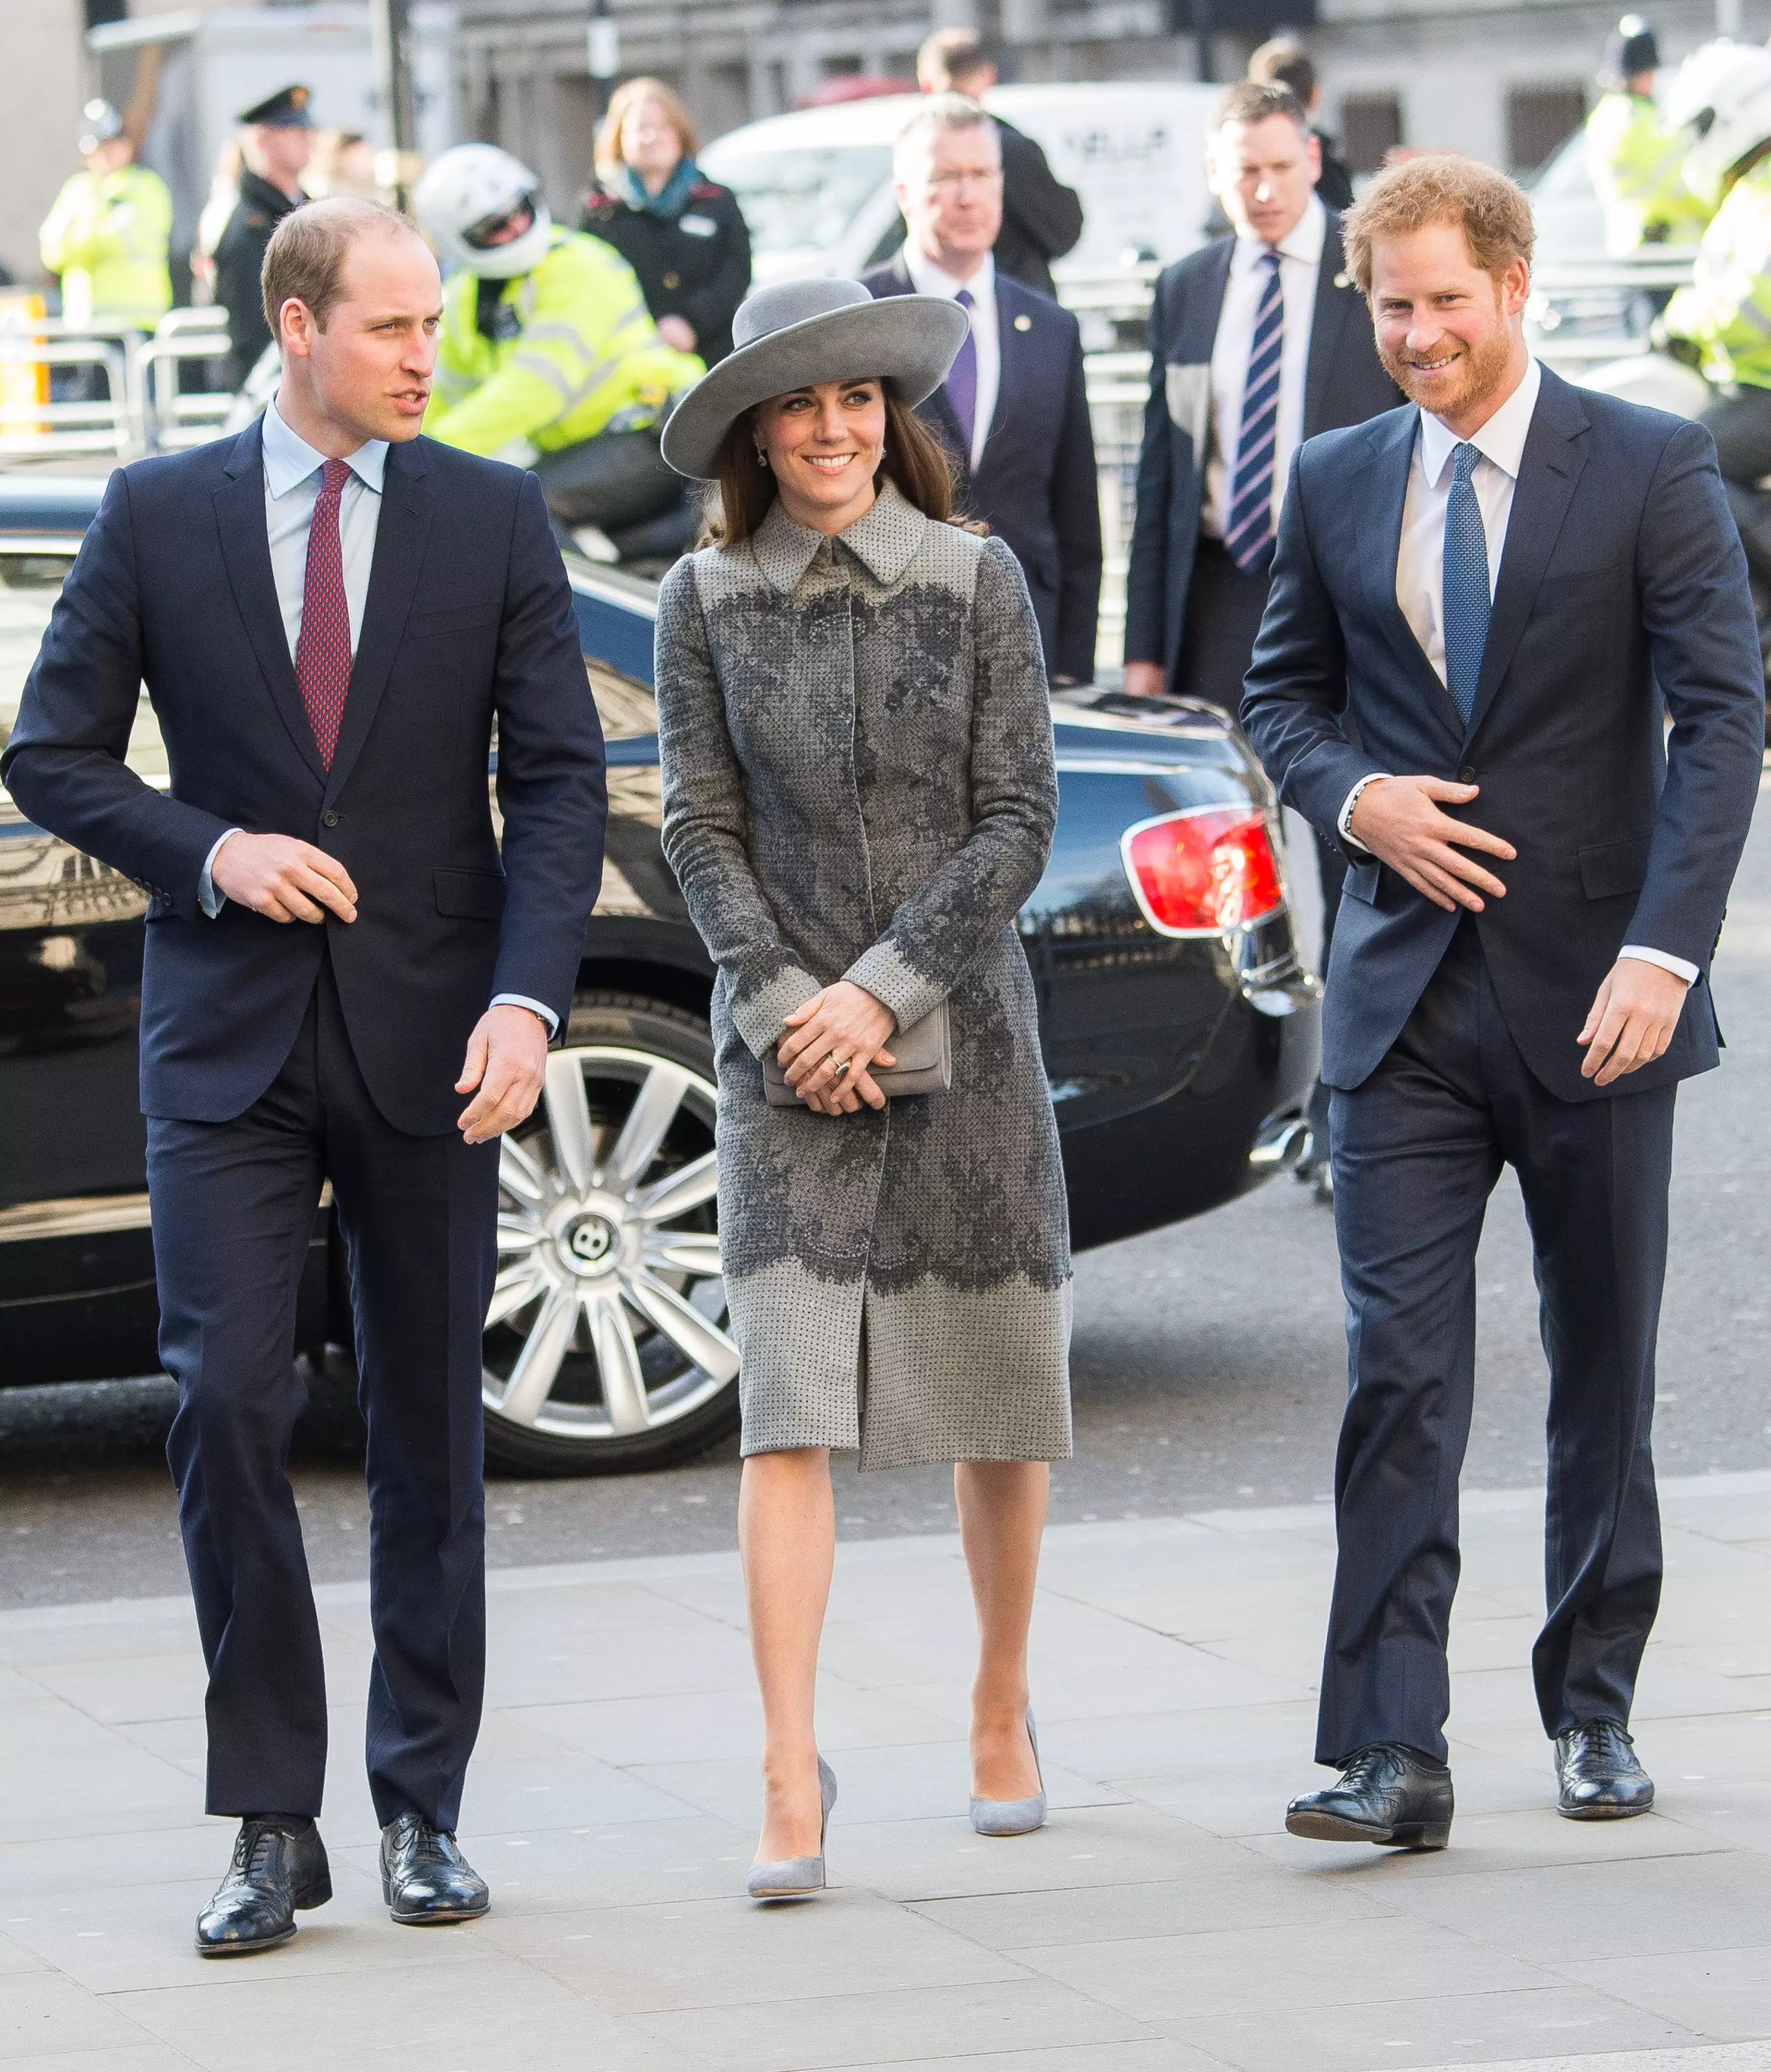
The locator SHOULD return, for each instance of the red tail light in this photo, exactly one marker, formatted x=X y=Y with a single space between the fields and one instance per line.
x=1200 y=872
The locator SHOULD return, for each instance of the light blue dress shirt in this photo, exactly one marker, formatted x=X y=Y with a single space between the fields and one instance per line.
x=293 y=471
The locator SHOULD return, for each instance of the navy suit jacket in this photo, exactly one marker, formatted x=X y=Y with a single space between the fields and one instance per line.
x=1344 y=383
x=1622 y=571
x=1036 y=486
x=469 y=619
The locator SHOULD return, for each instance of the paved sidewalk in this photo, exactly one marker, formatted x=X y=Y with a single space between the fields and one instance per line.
x=1162 y=1922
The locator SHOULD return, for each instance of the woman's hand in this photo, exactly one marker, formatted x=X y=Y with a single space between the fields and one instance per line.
x=830 y=1044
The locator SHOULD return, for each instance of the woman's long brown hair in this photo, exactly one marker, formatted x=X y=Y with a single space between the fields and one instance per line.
x=914 y=460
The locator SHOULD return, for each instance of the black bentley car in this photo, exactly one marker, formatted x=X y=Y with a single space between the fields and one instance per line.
x=1179 y=1026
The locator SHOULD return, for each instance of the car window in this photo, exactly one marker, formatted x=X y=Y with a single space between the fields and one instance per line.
x=1564 y=176
x=29 y=586
x=792 y=199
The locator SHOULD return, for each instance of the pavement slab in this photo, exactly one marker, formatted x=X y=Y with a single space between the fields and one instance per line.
x=1162 y=1921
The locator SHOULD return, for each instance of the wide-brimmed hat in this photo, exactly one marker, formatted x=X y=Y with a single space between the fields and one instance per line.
x=800 y=332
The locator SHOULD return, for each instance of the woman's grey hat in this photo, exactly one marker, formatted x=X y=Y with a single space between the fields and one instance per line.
x=800 y=332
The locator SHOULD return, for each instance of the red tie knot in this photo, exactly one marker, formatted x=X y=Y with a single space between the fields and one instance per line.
x=334 y=474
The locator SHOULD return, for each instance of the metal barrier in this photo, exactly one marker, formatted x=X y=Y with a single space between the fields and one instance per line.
x=141 y=410
x=176 y=420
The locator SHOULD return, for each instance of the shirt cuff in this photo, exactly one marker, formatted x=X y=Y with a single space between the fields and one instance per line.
x=1676 y=965
x=523 y=1000
x=211 y=901
x=1343 y=825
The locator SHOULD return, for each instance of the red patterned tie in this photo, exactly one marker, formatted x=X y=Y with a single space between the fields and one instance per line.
x=323 y=652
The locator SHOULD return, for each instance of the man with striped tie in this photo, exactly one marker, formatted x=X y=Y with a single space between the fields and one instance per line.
x=343 y=981
x=1483 y=609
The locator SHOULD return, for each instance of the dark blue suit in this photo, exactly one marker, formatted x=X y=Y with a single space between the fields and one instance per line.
x=1450 y=1040
x=1035 y=487
x=275 y=1056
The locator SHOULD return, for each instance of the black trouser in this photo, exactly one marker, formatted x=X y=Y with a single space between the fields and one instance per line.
x=619 y=482
x=233 y=1205
x=1224 y=608
x=1418 y=1149
x=1740 y=425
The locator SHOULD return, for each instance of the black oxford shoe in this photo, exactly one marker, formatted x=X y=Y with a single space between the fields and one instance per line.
x=273 y=1875
x=1386 y=1795
x=425 y=1880
x=1598 y=1775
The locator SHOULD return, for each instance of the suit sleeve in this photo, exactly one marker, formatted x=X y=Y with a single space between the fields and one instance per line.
x=707 y=825
x=1076 y=520
x=1035 y=200
x=1146 y=574
x=1294 y=696
x=551 y=787
x=65 y=763
x=938 y=931
x=1697 y=611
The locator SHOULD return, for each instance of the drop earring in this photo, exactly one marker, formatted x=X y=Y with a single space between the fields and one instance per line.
x=762 y=458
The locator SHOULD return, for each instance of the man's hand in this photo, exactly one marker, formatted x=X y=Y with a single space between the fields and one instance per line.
x=1145 y=680
x=1631 y=1019
x=283 y=879
x=506 y=1060
x=1398 y=819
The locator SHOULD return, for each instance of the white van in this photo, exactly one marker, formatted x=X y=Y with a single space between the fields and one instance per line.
x=815 y=185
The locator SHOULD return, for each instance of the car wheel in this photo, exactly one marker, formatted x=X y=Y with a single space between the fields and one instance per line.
x=605 y=1347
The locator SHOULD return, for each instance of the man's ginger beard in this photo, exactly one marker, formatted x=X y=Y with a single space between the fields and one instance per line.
x=1484 y=369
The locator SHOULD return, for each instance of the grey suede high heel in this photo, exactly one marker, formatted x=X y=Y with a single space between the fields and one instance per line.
x=1013 y=1816
x=798 y=1877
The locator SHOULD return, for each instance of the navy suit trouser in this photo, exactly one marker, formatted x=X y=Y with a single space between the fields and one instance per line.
x=233 y=1205
x=1417 y=1149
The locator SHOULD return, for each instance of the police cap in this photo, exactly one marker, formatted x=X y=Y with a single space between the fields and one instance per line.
x=286 y=110
x=1631 y=48
x=99 y=123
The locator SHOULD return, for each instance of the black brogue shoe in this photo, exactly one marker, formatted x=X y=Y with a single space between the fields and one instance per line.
x=1597 y=1775
x=425 y=1880
x=1387 y=1794
x=273 y=1875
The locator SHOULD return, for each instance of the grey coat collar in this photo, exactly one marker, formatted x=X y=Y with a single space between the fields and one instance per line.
x=884 y=540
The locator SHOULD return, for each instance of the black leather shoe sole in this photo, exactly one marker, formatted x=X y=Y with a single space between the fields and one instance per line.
x=309 y=1897
x=1607 y=1812
x=1315 y=1827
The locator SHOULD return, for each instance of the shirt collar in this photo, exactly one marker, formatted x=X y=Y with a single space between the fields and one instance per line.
x=884 y=538
x=929 y=279
x=1303 y=240
x=1501 y=440
x=288 y=459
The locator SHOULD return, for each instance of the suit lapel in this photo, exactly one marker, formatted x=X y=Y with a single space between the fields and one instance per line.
x=245 y=550
x=401 y=533
x=1328 y=319
x=1198 y=331
x=1549 y=470
x=1378 y=494
x=1014 y=348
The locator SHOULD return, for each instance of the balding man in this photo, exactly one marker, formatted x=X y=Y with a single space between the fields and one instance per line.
x=343 y=982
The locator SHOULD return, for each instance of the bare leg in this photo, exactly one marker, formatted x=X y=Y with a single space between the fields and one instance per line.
x=787 y=1536
x=1002 y=1514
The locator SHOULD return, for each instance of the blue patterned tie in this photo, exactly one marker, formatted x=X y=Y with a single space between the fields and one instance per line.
x=1468 y=601
x=1249 y=535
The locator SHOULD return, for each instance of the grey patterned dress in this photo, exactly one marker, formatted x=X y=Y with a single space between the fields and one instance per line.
x=859 y=783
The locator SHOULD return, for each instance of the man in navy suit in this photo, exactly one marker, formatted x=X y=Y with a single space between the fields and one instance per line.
x=1012 y=413
x=1482 y=608
x=345 y=981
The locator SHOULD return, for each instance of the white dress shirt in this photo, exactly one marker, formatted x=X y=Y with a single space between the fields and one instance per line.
x=1420 y=552
x=1300 y=262
x=293 y=471
x=929 y=279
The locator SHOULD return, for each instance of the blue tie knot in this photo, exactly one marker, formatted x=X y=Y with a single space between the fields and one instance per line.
x=1464 y=458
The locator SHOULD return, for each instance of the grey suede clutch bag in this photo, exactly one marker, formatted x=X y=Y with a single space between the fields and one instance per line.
x=924 y=1052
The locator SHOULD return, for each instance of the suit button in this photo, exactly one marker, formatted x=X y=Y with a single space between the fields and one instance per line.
x=1466 y=775
x=329 y=819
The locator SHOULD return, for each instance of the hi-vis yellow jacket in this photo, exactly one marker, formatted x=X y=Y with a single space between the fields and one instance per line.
x=1726 y=312
x=1637 y=167
x=107 y=237
x=582 y=356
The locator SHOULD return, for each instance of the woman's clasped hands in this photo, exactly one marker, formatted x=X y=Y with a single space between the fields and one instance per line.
x=830 y=1043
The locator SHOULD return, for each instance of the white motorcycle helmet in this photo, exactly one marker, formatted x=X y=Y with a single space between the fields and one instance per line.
x=1722 y=98
x=467 y=196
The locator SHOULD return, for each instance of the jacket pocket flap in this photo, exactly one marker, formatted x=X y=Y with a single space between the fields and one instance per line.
x=1610 y=869
x=1361 y=881
x=470 y=895
x=455 y=619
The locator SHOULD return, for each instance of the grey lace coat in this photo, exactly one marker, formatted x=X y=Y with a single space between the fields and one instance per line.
x=859 y=783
